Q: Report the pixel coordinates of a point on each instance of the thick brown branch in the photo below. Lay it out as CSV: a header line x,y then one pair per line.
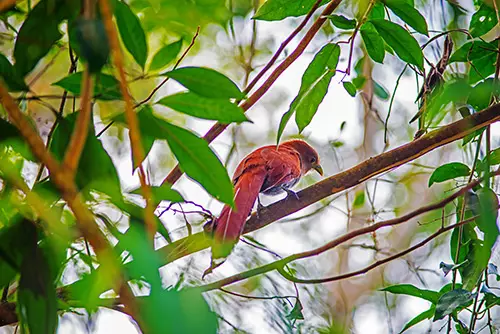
x,y
345,180
218,128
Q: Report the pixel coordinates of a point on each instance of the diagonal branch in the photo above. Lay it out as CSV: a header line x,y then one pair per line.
x,y
130,116
218,128
345,180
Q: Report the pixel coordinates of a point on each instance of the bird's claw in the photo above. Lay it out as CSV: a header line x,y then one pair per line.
x,y
291,193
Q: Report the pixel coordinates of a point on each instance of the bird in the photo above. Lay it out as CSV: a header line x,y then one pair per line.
x,y
270,170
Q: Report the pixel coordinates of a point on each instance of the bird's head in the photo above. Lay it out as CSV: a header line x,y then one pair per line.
x,y
308,156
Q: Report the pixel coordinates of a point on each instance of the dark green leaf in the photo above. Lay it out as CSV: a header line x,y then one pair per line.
x,y
95,169
91,42
275,10
165,55
373,42
377,12
482,21
411,290
452,301
37,303
380,91
39,32
487,221
313,88
296,312
342,22
408,14
131,32
419,318
163,193
206,82
404,44
106,87
482,68
448,172
480,96
350,88
12,247
193,153
206,108
9,74
473,50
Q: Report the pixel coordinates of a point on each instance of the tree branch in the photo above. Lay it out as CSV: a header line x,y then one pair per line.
x,y
218,128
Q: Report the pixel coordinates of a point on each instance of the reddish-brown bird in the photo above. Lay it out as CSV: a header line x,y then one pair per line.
x,y
270,170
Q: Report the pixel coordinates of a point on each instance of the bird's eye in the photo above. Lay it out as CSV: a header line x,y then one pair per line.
x,y
313,160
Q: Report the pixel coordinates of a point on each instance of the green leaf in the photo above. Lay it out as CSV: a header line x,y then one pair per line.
x,y
472,50
373,42
359,199
202,107
275,10
95,169
411,290
494,157
165,55
408,14
377,12
482,68
404,44
313,88
487,221
419,318
350,88
342,22
481,94
163,193
206,82
482,21
296,312
12,247
106,86
131,32
380,91
8,73
36,296
448,172
39,32
193,153
451,302
170,311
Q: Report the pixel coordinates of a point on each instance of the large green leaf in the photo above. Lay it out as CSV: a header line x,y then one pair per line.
x,y
487,221
105,88
313,88
202,107
482,67
95,169
342,22
195,157
448,171
12,247
275,10
482,21
452,301
472,50
165,55
40,31
480,96
400,40
206,82
89,40
408,14
411,290
373,42
131,32
36,296
9,74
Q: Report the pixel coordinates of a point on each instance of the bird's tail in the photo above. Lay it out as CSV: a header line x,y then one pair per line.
x,y
229,225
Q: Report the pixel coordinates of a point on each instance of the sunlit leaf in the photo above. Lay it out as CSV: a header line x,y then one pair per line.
x,y
106,86
472,50
373,42
206,82
452,301
411,290
408,14
206,108
275,10
482,21
342,22
165,55
350,88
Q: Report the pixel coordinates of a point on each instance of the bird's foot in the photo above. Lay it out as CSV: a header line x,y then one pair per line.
x,y
260,207
292,194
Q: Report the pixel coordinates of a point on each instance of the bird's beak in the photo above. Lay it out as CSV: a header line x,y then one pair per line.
x,y
319,169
